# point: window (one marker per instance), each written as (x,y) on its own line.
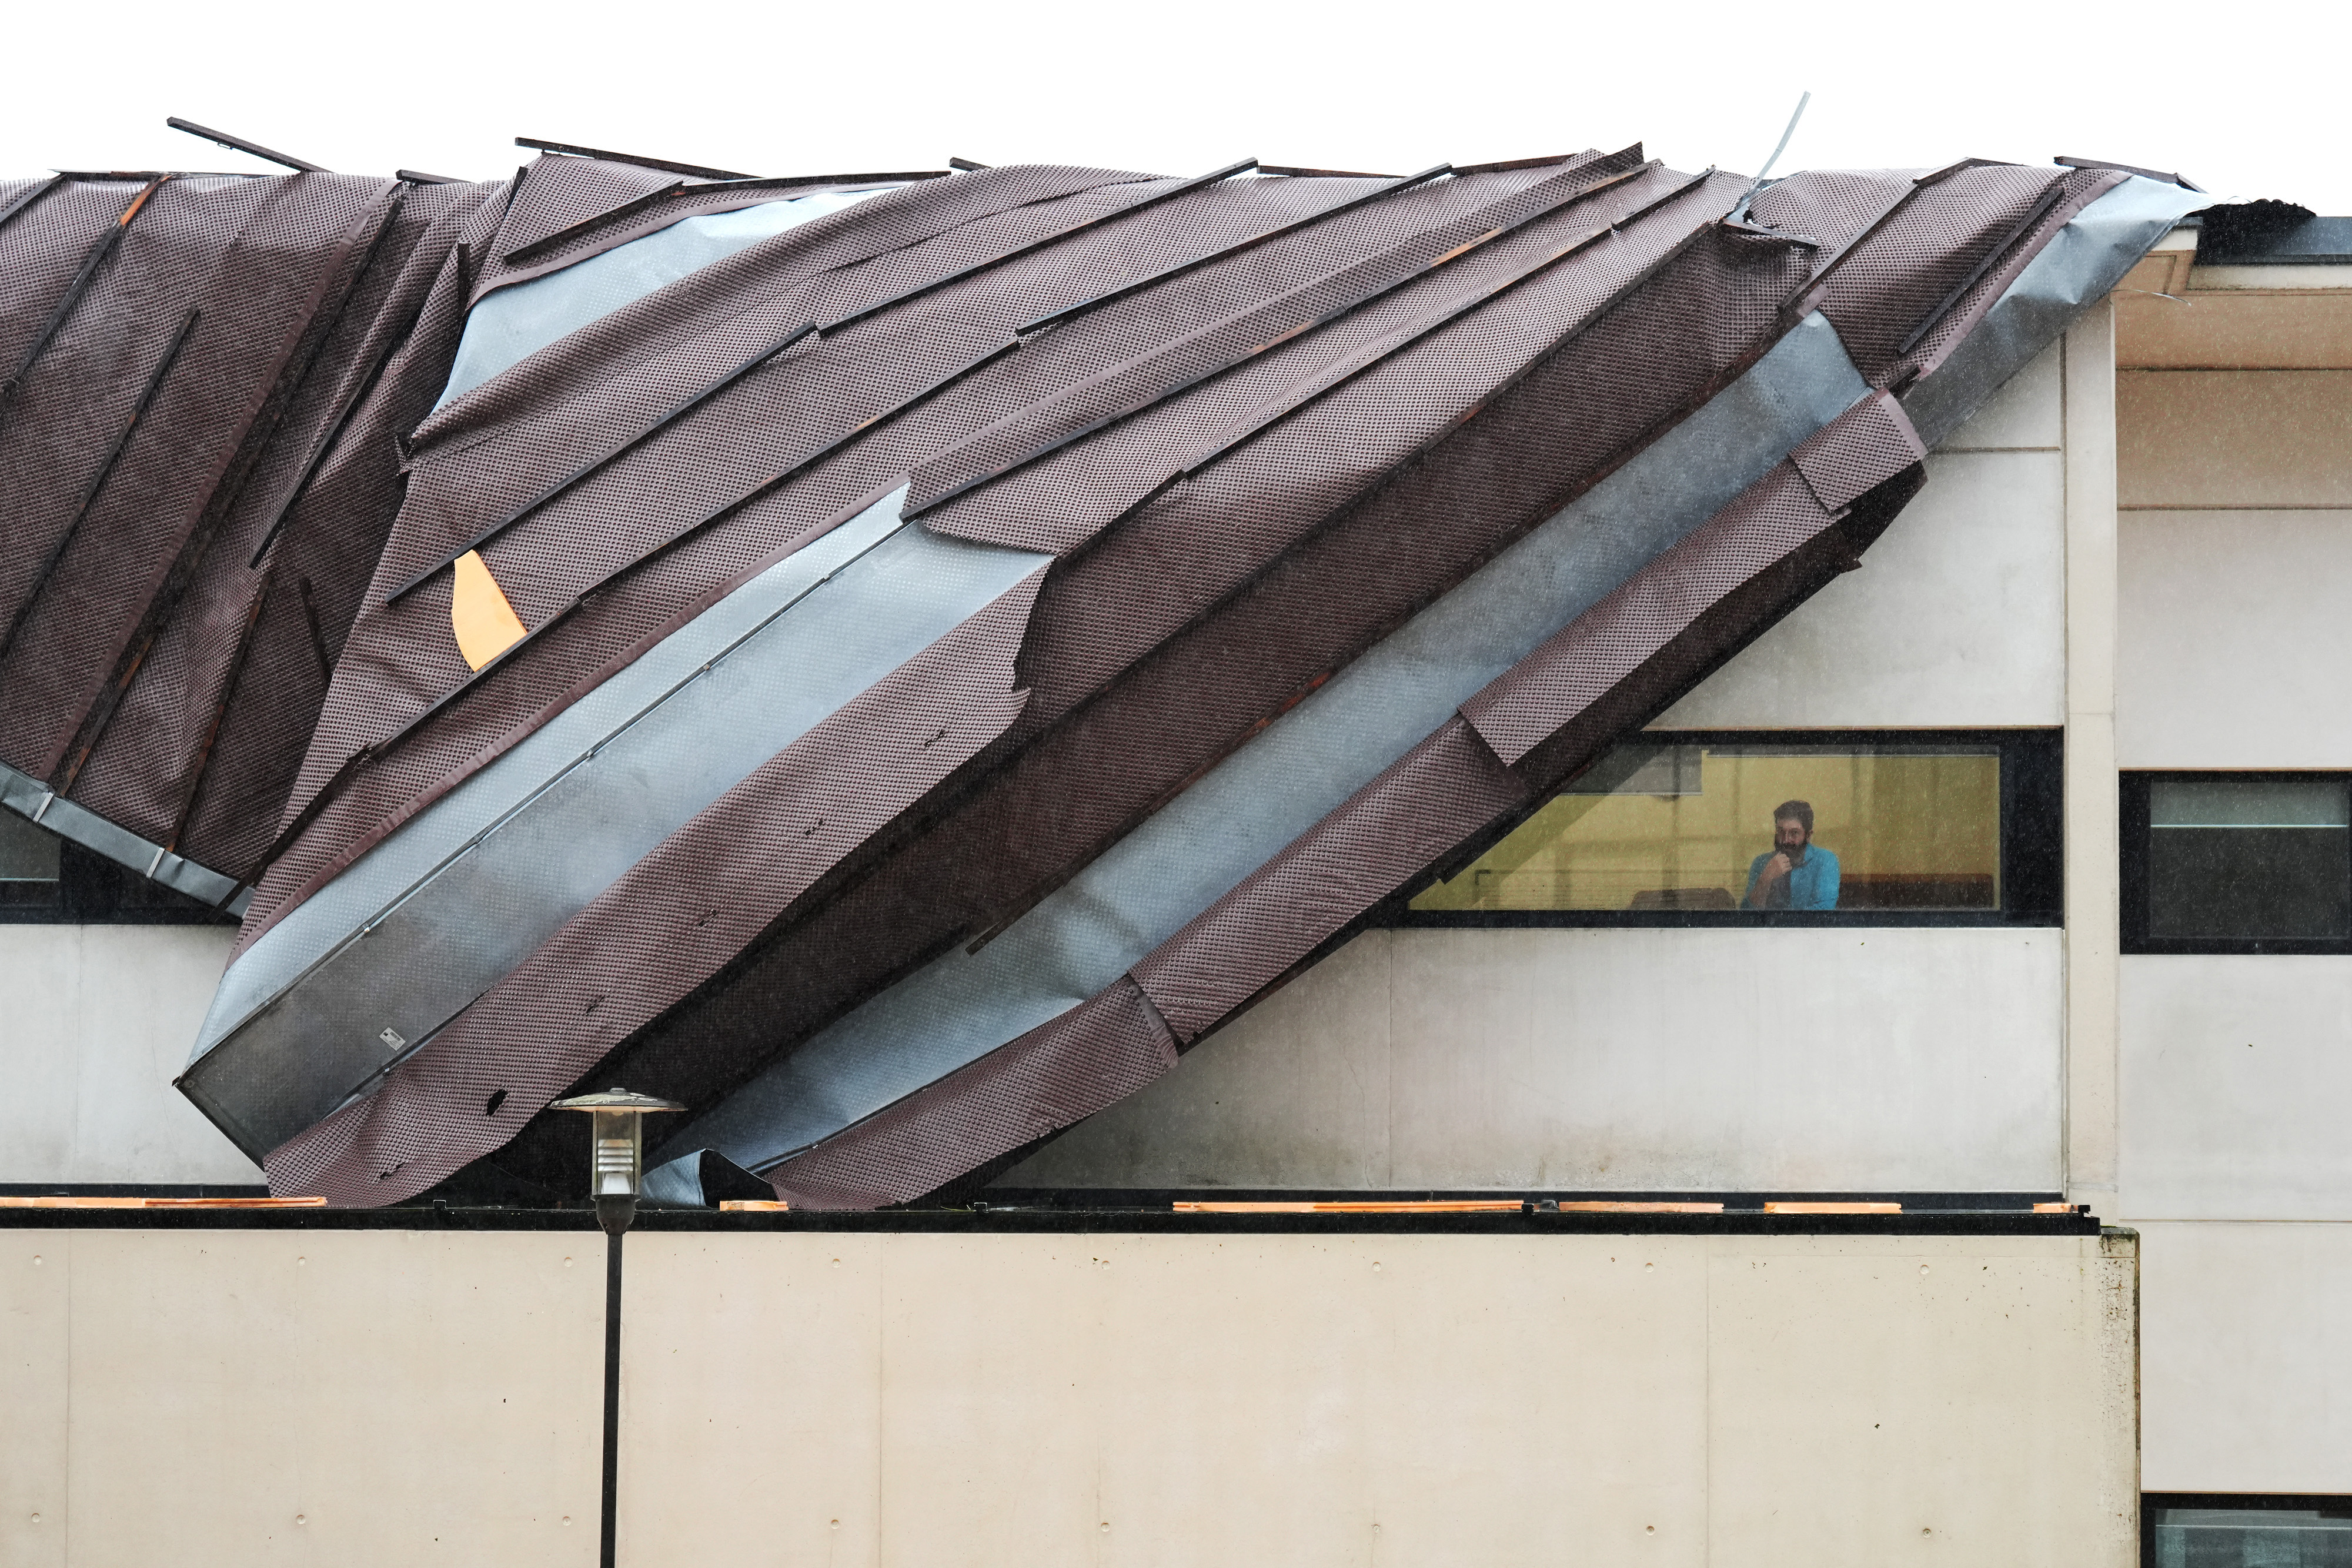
(1805,828)
(28,864)
(51,880)
(2227,1532)
(2237,862)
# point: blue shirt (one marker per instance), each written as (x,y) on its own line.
(1812,885)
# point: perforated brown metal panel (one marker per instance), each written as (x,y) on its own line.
(670,922)
(1259,467)
(1095,1055)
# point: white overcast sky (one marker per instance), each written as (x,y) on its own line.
(2246,99)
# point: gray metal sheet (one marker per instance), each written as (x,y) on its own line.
(1237,817)
(515,321)
(2082,262)
(368,968)
(1245,810)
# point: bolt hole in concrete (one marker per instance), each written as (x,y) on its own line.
(1649,1529)
(1376,1268)
(1923,1268)
(1649,1268)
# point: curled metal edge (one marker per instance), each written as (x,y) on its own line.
(34,801)
(779,1113)
(1243,812)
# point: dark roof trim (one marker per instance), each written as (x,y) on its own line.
(699,170)
(1067,1222)
(2272,234)
(239,144)
(2180,179)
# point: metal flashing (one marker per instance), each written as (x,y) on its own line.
(1110,915)
(36,803)
(293,1031)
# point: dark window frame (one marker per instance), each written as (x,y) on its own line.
(2032,845)
(93,890)
(2134,813)
(2244,1502)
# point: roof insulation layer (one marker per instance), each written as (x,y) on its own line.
(932,653)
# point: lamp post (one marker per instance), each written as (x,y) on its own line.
(617,1167)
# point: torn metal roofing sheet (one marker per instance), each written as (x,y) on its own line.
(891,674)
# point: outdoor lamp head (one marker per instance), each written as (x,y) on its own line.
(617,1150)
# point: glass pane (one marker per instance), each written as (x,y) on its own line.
(2251,1538)
(29,861)
(1661,827)
(28,853)
(2250,859)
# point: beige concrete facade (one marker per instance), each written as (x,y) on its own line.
(2234,430)
(235,1396)
(2247,1358)
(947,1400)
(1614,1060)
(2091,937)
(1957,617)
(98,1021)
(240,1398)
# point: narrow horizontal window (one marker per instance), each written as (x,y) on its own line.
(1731,829)
(47,880)
(2253,862)
(28,864)
(2256,1533)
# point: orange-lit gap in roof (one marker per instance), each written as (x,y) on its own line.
(485,623)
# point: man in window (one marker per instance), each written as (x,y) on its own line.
(1796,872)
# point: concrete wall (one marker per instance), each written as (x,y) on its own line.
(943,1400)
(97,1021)
(2236,1073)
(2233,639)
(235,1396)
(240,1398)
(1957,615)
(2236,1170)
(1616,1060)
(2234,438)
(2234,564)
(2246,1352)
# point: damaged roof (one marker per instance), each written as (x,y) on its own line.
(889,661)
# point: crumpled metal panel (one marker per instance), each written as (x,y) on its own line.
(554,194)
(274,300)
(673,918)
(496,447)
(1219,829)
(1103,764)
(412,936)
(1637,648)
(1606,674)
(1064,1071)
(1282,439)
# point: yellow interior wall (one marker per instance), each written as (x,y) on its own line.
(1882,815)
